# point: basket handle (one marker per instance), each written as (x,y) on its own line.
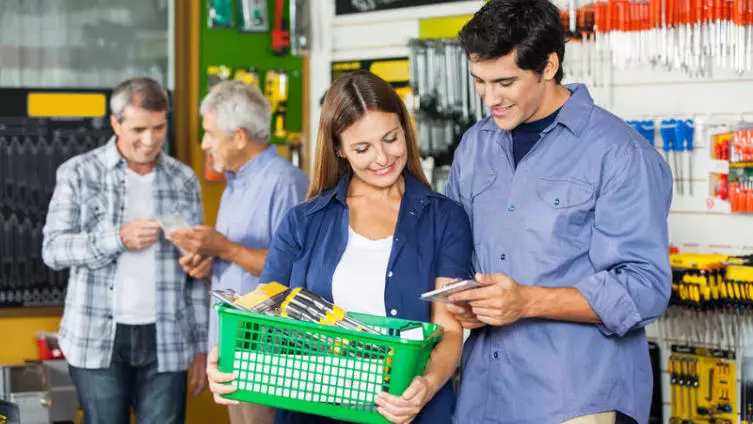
(436,334)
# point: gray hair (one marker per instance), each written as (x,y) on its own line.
(143,92)
(239,106)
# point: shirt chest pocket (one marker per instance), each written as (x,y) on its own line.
(563,208)
(94,212)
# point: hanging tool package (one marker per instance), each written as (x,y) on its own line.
(446,103)
(703,385)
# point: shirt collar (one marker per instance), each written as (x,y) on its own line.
(577,109)
(415,192)
(574,113)
(113,159)
(247,170)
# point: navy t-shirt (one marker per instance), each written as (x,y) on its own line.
(526,135)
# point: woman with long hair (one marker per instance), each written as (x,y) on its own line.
(372,236)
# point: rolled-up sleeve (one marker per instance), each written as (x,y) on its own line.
(629,247)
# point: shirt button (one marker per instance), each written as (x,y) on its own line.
(389,274)
(393,312)
(511,208)
(556,202)
(109,317)
(502,257)
(496,355)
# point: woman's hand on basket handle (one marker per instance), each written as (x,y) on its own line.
(217,379)
(403,409)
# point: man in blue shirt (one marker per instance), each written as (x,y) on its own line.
(569,211)
(261,187)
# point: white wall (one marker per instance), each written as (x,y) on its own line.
(634,93)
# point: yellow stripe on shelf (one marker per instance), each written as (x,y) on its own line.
(79,105)
(444,27)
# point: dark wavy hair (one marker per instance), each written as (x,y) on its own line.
(532,27)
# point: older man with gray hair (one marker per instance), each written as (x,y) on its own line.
(261,188)
(134,321)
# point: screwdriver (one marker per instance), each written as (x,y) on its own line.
(666,134)
(678,139)
(320,317)
(689,134)
(329,311)
(673,383)
(667,131)
(649,130)
(299,307)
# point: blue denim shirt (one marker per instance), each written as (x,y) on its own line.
(587,208)
(432,239)
(254,202)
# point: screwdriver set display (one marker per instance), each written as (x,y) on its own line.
(707,329)
(683,35)
(677,143)
(712,282)
(703,384)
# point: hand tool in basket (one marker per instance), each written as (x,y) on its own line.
(304,305)
(334,345)
(323,311)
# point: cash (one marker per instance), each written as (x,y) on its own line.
(173,221)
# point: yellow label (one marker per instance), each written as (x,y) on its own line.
(391,70)
(346,66)
(78,105)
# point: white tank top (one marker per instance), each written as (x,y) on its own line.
(360,277)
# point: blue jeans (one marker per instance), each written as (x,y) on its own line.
(132,381)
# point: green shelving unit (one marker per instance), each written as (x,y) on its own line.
(236,49)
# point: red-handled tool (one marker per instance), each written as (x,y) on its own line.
(280,36)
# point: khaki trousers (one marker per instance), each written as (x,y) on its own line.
(602,418)
(250,413)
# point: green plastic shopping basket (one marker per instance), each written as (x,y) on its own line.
(319,369)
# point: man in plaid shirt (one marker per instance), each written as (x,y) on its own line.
(134,321)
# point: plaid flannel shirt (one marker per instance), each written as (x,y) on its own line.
(82,233)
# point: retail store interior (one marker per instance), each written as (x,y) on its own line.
(679,73)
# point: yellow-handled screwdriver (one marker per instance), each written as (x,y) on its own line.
(332,312)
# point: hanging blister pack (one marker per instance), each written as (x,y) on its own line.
(220,14)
